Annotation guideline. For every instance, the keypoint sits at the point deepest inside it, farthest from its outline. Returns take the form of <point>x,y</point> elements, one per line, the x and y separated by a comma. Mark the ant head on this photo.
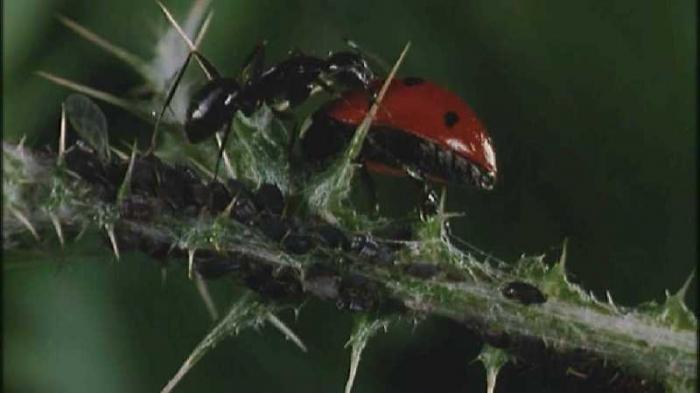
<point>349,69</point>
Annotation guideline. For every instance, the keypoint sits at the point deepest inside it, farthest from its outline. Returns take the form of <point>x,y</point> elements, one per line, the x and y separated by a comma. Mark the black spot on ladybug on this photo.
<point>450,119</point>
<point>412,81</point>
<point>524,293</point>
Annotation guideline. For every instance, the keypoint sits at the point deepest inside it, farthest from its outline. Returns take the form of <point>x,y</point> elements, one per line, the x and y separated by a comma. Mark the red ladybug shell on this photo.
<point>427,111</point>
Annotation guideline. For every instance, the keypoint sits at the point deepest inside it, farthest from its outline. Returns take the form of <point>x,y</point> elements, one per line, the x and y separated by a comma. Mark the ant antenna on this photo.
<point>253,64</point>
<point>208,68</point>
<point>227,132</point>
<point>166,104</point>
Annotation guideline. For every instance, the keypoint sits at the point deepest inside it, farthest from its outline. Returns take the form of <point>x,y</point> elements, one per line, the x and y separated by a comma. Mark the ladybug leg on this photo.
<point>429,205</point>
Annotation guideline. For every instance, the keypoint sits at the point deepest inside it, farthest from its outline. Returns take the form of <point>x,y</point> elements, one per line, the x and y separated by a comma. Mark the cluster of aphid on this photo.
<point>159,190</point>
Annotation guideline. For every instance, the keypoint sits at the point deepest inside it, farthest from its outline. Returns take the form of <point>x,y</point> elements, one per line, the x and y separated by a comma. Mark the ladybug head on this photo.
<point>475,158</point>
<point>439,116</point>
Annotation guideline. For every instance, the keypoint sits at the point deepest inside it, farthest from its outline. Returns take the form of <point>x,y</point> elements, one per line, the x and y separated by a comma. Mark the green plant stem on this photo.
<point>635,340</point>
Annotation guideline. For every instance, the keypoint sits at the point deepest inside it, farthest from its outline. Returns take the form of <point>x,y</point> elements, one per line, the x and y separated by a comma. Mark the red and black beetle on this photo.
<point>421,130</point>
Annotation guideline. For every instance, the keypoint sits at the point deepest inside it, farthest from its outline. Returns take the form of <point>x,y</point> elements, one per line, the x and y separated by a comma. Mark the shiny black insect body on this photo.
<point>524,293</point>
<point>280,86</point>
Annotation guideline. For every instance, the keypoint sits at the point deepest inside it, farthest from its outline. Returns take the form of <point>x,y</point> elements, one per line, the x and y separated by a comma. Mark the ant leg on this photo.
<point>296,51</point>
<point>253,65</point>
<point>222,149</point>
<point>285,114</point>
<point>378,60</point>
<point>166,104</point>
<point>326,87</point>
<point>207,66</point>
<point>295,130</point>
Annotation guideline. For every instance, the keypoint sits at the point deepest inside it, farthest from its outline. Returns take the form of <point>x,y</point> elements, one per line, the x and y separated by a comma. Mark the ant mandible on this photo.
<point>281,86</point>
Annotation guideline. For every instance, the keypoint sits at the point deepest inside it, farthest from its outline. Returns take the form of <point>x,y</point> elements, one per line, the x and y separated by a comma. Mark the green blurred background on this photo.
<point>591,105</point>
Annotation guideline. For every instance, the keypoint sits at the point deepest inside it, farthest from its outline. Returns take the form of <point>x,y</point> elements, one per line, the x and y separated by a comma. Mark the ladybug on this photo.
<point>524,293</point>
<point>421,130</point>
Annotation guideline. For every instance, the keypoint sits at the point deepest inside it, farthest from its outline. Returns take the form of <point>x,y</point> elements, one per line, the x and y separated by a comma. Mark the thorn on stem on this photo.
<point>62,136</point>
<point>204,29</point>
<point>684,289</point>
<point>288,333</point>
<point>57,226</point>
<point>125,187</point>
<point>163,276</point>
<point>227,162</point>
<point>562,258</point>
<point>190,261</point>
<point>113,240</point>
<point>120,53</point>
<point>191,45</point>
<point>203,290</point>
<point>25,221</point>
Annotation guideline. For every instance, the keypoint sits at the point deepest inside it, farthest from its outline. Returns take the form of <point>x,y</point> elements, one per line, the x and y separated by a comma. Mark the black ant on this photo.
<point>281,86</point>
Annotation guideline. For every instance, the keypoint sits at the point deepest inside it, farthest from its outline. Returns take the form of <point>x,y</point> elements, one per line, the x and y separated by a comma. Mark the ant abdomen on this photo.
<point>211,107</point>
